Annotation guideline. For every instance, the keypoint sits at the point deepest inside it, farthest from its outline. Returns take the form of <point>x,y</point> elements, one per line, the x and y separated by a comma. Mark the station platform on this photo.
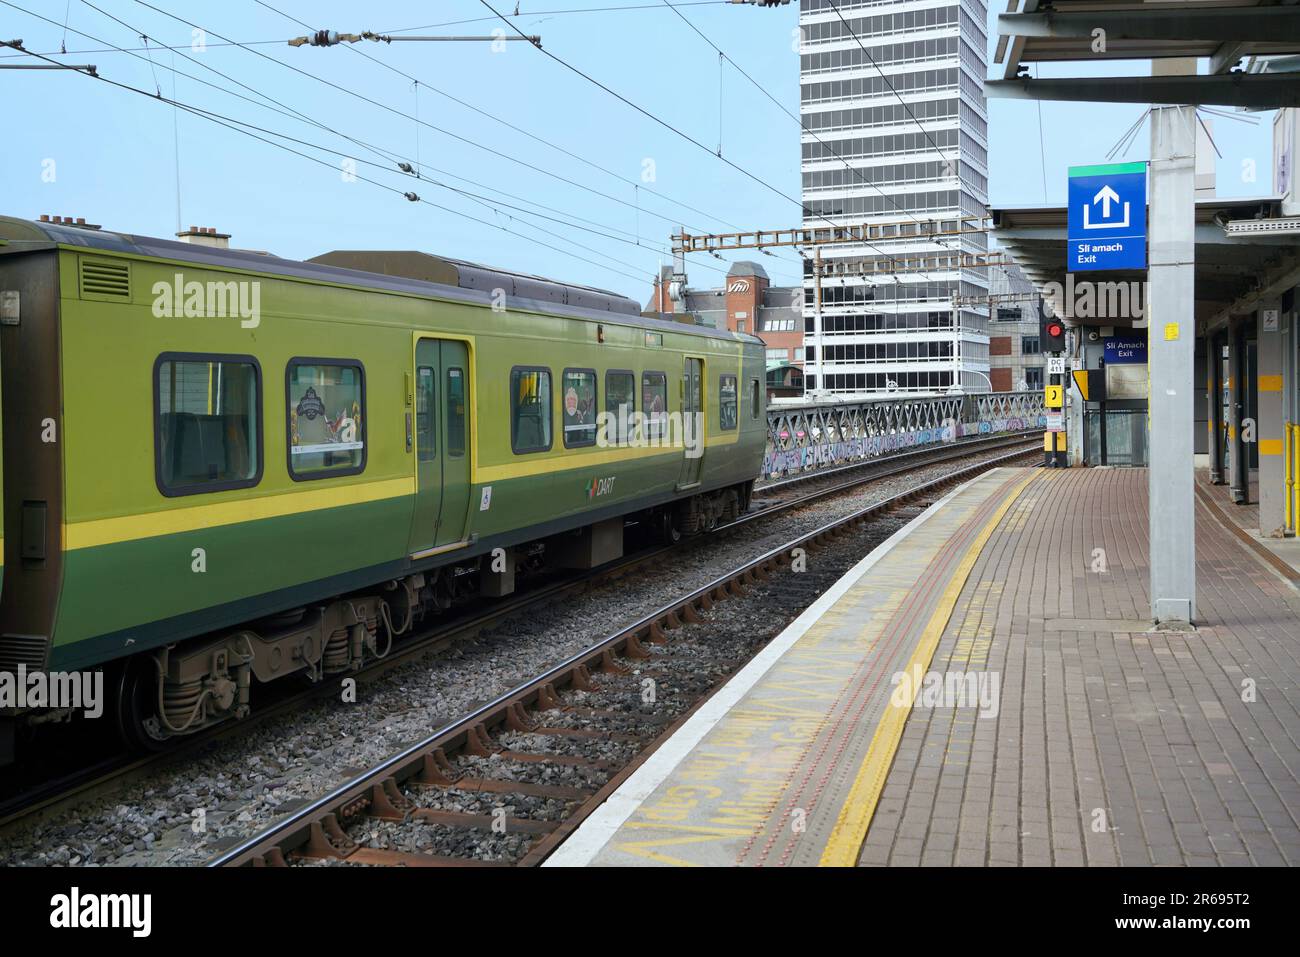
<point>1053,725</point>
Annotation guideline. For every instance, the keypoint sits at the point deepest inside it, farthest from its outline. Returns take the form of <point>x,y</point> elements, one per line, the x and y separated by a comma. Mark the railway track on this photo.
<point>512,779</point>
<point>66,789</point>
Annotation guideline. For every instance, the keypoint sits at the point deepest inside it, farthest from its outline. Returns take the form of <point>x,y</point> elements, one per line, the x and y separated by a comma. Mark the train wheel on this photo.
<point>136,706</point>
<point>668,529</point>
<point>687,517</point>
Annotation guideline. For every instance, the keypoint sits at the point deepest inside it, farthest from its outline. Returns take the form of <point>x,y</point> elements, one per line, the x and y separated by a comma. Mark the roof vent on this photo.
<point>105,279</point>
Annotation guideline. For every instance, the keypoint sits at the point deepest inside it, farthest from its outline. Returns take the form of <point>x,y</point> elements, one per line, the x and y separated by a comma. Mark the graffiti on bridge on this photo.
<point>804,458</point>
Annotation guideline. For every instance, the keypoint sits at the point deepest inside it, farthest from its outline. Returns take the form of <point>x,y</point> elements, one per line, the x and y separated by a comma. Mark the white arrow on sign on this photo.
<point>1106,197</point>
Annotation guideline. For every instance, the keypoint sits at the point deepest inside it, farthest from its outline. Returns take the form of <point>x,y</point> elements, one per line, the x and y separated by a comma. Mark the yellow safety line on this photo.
<point>855,816</point>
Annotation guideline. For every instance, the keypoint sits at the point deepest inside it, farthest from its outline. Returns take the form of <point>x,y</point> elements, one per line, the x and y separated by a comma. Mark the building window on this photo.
<point>207,423</point>
<point>1034,377</point>
<point>579,398</point>
<point>326,401</point>
<point>530,409</point>
<point>1029,345</point>
<point>740,325</point>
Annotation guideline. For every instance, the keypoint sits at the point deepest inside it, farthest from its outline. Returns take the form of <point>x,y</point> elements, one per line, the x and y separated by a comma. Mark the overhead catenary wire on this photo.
<point>408,195</point>
<point>282,107</point>
<point>678,132</point>
<point>1042,145</point>
<point>392,158</point>
<point>446,132</point>
<point>490,116</point>
<point>513,159</point>
<point>156,46</point>
<point>556,13</point>
<point>428,26</point>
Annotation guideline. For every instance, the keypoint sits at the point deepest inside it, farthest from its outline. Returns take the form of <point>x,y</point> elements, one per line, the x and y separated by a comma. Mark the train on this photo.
<point>222,469</point>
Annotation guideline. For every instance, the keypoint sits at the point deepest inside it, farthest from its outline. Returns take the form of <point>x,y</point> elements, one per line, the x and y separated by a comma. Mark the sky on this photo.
<point>617,178</point>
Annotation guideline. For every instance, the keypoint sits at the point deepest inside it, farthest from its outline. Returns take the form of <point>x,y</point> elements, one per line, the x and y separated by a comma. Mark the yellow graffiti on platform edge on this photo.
<point>850,829</point>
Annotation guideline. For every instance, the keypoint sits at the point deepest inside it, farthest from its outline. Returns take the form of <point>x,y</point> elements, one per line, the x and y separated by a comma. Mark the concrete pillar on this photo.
<point>1214,396</point>
<point>1171,355</point>
<point>1269,418</point>
<point>1238,464</point>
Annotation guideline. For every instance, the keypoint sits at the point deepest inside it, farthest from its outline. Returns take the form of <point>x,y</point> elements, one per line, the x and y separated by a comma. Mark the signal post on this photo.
<point>1051,342</point>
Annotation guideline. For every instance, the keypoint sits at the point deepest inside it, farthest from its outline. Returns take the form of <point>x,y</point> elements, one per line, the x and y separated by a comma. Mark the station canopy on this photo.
<point>1252,48</point>
<point>1246,252</point>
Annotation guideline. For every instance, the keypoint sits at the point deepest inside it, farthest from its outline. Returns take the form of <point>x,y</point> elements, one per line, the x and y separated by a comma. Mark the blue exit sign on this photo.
<point>1107,220</point>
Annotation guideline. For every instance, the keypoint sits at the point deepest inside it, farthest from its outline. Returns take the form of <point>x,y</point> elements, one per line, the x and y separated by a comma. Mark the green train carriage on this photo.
<point>228,467</point>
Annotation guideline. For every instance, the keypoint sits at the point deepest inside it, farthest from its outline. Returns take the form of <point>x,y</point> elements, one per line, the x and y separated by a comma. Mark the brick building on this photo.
<point>747,302</point>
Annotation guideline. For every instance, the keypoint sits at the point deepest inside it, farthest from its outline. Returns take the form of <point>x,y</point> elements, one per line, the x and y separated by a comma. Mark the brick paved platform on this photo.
<point>1105,743</point>
<point>1245,517</point>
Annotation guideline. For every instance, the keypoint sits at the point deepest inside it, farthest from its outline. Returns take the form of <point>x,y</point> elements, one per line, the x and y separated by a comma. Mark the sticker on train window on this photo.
<point>579,390</point>
<point>326,422</point>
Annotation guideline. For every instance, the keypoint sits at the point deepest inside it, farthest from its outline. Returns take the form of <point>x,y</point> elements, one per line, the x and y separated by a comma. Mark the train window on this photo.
<point>426,406</point>
<point>755,398</point>
<point>654,403</point>
<point>455,412</point>
<point>530,409</point>
<point>620,401</point>
<point>727,416</point>
<point>207,423</point>
<point>579,397</point>
<point>326,400</point>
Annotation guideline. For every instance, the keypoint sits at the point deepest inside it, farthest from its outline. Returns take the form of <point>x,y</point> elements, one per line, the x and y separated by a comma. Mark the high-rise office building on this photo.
<point>895,130</point>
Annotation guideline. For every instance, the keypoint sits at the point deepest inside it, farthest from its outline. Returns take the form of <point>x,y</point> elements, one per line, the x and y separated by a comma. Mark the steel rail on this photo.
<point>318,823</point>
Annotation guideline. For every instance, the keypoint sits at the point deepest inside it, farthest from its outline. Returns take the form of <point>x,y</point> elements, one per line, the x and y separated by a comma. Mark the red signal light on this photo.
<point>1055,329</point>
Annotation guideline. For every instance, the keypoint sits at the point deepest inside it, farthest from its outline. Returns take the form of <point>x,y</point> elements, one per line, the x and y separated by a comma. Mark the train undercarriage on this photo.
<point>159,697</point>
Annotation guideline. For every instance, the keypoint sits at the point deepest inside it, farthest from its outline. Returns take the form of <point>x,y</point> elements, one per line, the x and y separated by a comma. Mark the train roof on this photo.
<point>405,271</point>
